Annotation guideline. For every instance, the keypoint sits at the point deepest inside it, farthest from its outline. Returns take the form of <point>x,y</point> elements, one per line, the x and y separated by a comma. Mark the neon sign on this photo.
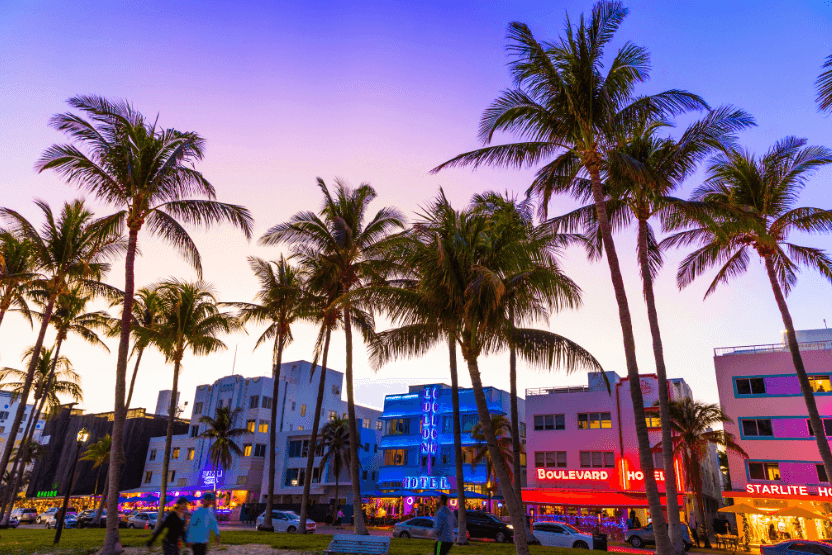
<point>547,474</point>
<point>211,478</point>
<point>52,493</point>
<point>776,489</point>
<point>430,428</point>
<point>426,482</point>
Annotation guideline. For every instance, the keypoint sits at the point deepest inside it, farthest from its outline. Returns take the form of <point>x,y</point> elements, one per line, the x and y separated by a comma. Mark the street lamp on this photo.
<point>83,436</point>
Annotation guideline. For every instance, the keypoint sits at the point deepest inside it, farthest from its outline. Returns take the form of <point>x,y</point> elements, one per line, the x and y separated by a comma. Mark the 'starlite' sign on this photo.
<point>789,491</point>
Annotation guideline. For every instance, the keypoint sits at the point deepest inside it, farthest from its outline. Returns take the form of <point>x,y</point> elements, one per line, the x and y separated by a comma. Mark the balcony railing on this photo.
<point>771,348</point>
<point>553,390</point>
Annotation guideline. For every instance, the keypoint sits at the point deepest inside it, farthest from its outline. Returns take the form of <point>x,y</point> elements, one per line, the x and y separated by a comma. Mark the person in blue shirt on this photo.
<point>203,521</point>
<point>443,527</point>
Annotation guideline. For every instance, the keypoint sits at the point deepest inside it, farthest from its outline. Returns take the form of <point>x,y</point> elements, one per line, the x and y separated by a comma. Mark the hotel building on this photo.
<point>759,390</point>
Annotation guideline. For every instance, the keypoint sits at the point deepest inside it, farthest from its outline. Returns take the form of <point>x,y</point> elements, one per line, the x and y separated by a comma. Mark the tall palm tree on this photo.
<point>222,432</point>
<point>99,454</point>
<point>693,423</point>
<point>824,86</point>
<point>336,452</point>
<point>148,173</point>
<point>350,250</point>
<point>503,428</point>
<point>72,247</point>
<point>564,106</point>
<point>15,270</point>
<point>189,321</point>
<point>753,208</point>
<point>280,301</point>
<point>644,172</point>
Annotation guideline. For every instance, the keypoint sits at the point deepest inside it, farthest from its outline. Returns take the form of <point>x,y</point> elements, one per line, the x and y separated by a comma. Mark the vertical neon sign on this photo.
<point>430,431</point>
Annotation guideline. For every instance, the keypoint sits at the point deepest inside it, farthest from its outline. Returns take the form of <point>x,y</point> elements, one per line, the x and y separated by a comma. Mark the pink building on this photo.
<point>582,454</point>
<point>758,388</point>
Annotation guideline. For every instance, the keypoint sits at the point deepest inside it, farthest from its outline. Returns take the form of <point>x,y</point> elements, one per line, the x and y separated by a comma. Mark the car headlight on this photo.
<point>509,526</point>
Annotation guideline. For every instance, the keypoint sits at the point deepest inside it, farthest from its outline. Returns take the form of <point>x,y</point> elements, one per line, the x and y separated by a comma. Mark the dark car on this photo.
<point>480,524</point>
<point>85,519</point>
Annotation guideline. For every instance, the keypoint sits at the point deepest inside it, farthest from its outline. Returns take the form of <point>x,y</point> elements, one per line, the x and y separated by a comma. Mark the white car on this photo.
<point>560,534</point>
<point>287,521</point>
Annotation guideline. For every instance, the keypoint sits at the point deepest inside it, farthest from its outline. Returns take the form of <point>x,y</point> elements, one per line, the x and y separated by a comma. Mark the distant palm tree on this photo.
<point>753,208</point>
<point>222,432</point>
<point>334,444</point>
<point>824,86</point>
<point>16,269</point>
<point>693,424</point>
<point>148,173</point>
<point>502,428</point>
<point>282,300</point>
<point>99,454</point>
<point>348,250</point>
<point>189,320</point>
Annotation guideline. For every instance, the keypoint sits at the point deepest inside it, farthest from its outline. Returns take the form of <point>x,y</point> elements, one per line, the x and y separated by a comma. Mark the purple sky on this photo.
<point>285,92</point>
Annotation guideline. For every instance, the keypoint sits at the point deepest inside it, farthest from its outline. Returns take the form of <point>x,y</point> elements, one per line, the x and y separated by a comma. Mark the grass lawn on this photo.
<point>84,542</point>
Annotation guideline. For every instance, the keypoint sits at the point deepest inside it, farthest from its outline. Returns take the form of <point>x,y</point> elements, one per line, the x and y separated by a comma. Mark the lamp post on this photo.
<point>82,437</point>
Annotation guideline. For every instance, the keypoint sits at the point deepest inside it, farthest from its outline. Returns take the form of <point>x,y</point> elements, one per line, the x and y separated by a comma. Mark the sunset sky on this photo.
<point>382,92</point>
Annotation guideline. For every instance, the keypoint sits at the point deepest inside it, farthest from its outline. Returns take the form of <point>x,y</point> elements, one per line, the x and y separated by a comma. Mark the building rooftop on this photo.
<point>807,340</point>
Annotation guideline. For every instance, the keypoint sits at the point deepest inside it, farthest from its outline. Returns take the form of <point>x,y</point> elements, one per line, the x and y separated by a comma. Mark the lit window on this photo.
<point>379,424</point>
<point>366,423</point>
<point>263,427</point>
<point>303,410</point>
<point>820,384</point>
<point>333,415</point>
<point>250,424</point>
<point>594,420</point>
<point>395,457</point>
<point>764,471</point>
<point>247,450</point>
<point>175,453</point>
<point>653,419</point>
<point>190,453</point>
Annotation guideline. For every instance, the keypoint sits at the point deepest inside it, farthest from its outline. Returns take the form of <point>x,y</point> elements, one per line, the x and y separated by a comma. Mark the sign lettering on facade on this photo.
<point>430,423</point>
<point>426,482</point>
<point>210,478</point>
<point>548,474</point>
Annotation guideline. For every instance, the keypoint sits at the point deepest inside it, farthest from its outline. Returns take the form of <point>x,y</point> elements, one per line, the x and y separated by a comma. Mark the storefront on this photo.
<point>780,512</point>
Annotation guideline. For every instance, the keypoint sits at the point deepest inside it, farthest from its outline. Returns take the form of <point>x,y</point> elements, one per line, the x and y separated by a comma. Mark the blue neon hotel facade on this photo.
<point>418,441</point>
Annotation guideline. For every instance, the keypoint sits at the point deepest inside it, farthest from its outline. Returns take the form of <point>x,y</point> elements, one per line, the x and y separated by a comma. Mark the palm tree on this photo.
<point>189,320</point>
<point>16,270</point>
<point>503,428</point>
<point>336,452</point>
<point>282,300</point>
<point>349,251</point>
<point>222,432</point>
<point>643,173</point>
<point>563,106</point>
<point>752,204</point>
<point>148,172</point>
<point>99,454</point>
<point>693,423</point>
<point>824,86</point>
<point>72,247</point>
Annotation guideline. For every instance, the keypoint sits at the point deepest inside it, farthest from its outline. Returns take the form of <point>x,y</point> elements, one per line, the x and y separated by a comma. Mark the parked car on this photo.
<point>85,519</point>
<point>561,534</point>
<point>418,527</point>
<point>797,547</point>
<point>639,537</point>
<point>71,520</point>
<point>26,515</point>
<point>485,525</point>
<point>286,521</point>
<point>41,519</point>
<point>142,519</point>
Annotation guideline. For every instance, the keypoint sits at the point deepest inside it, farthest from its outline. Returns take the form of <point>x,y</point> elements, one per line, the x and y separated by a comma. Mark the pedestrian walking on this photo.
<point>203,521</point>
<point>339,517</point>
<point>174,523</point>
<point>443,527</point>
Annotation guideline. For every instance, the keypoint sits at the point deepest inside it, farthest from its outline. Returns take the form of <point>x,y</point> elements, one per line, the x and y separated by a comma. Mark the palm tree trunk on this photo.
<point>337,500</point>
<point>313,440</point>
<point>800,369</point>
<point>278,361</point>
<point>355,439</point>
<point>112,539</point>
<point>133,380</point>
<point>168,444</point>
<point>462,527</point>
<point>664,398</point>
<point>645,454</point>
<point>97,520</point>
<point>696,470</point>
<point>515,510</point>
<point>97,478</point>
<point>27,385</point>
<point>6,303</point>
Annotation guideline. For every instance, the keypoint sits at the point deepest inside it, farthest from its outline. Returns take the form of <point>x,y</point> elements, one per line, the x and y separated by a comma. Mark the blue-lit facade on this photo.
<point>418,440</point>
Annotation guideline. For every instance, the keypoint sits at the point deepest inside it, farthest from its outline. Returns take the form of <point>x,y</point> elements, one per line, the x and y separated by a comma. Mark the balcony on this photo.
<point>771,348</point>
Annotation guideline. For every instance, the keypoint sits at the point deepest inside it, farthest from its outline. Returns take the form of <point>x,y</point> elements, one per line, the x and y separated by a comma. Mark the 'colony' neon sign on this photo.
<point>430,431</point>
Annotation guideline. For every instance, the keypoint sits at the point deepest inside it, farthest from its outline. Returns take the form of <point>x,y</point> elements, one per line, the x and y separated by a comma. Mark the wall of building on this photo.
<point>8,409</point>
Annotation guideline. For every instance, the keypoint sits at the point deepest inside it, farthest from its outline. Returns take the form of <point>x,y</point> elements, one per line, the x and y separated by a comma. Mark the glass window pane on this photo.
<point>606,420</point>
<point>594,420</point>
<point>550,422</point>
<point>658,460</point>
<point>539,459</point>
<point>538,421</point>
<point>809,426</point>
<point>764,428</point>
<point>551,460</point>
<point>583,421</point>
<point>821,473</point>
<point>755,470</point>
<point>586,459</point>
<point>743,387</point>
<point>827,426</point>
<point>560,422</point>
<point>597,459</point>
<point>758,386</point>
<point>561,459</point>
<point>609,459</point>
<point>749,427</point>
<point>772,471</point>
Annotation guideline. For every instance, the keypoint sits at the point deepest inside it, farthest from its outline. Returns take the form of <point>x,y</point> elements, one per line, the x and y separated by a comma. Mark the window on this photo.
<point>4,415</point>
<point>250,424</point>
<point>549,422</point>
<point>820,384</point>
<point>260,450</point>
<point>263,427</point>
<point>827,426</point>
<point>522,429</point>
<point>194,431</point>
<point>182,482</point>
<point>152,456</point>
<point>653,419</point>
<point>398,426</point>
<point>241,480</point>
<point>148,476</point>
<point>468,421</point>
<point>316,475</point>
<point>658,460</point>
<point>175,454</point>
<point>761,427</point>
<point>597,459</point>
<point>336,390</point>
<point>299,448</point>
<point>293,405</point>
<point>197,408</point>
<point>303,410</point>
<point>2,429</point>
<point>379,424</point>
<point>267,402</point>
<point>364,475</point>
<point>172,476</point>
<point>751,386</point>
<point>333,415</point>
<point>253,401</point>
<point>550,459</point>
<point>190,456</point>
<point>375,448</point>
<point>367,447</point>
<point>295,476</point>
<point>367,423</point>
<point>446,454</point>
<point>764,471</point>
<point>594,420</point>
<point>247,450</point>
<point>468,454</point>
<point>821,473</point>
<point>395,457</point>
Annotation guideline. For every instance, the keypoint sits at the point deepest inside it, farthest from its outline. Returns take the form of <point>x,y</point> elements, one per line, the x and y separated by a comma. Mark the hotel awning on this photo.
<point>587,498</point>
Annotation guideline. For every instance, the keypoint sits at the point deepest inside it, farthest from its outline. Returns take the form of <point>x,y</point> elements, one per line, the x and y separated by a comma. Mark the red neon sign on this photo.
<point>549,474</point>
